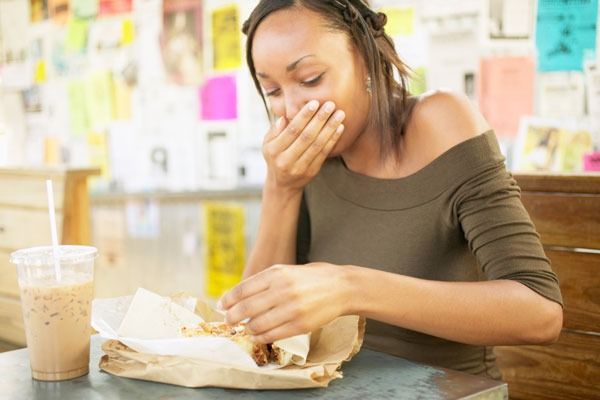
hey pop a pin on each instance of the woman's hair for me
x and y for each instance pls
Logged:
(365, 28)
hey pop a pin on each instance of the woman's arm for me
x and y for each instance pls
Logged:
(284, 301)
(294, 153)
(499, 312)
(276, 238)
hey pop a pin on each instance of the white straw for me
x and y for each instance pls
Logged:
(52, 213)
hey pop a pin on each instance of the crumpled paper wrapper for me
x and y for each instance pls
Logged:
(333, 344)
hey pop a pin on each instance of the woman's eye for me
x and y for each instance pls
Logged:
(311, 82)
(272, 93)
(314, 81)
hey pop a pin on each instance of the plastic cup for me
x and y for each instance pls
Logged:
(57, 314)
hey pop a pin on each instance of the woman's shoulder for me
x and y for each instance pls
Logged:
(442, 119)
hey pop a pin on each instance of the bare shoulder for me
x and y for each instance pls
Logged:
(442, 119)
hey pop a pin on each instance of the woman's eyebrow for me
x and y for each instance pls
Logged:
(289, 68)
(293, 65)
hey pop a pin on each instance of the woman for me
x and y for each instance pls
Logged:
(380, 204)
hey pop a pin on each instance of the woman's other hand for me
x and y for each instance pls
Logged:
(296, 150)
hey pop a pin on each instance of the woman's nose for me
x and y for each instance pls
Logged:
(293, 105)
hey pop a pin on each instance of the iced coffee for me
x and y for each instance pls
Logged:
(56, 312)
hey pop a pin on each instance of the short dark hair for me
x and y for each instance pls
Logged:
(389, 109)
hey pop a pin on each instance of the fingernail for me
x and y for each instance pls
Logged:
(220, 304)
(339, 116)
(340, 129)
(313, 105)
(329, 107)
(279, 123)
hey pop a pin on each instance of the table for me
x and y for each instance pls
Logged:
(370, 375)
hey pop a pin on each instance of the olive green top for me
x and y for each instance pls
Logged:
(460, 218)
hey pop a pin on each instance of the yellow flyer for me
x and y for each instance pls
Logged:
(227, 48)
(98, 147)
(400, 21)
(127, 32)
(224, 246)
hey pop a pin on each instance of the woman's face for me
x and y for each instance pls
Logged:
(297, 60)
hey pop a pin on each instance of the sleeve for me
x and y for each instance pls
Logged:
(500, 232)
(303, 233)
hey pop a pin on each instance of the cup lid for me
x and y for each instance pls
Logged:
(44, 255)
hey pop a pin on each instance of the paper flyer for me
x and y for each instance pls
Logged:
(99, 154)
(84, 8)
(401, 20)
(143, 218)
(77, 35)
(39, 10)
(15, 68)
(122, 102)
(561, 95)
(111, 7)
(56, 101)
(51, 150)
(39, 74)
(510, 19)
(506, 90)
(552, 145)
(564, 32)
(99, 98)
(227, 47)
(126, 161)
(592, 81)
(224, 246)
(78, 111)
(218, 99)
(128, 32)
(181, 41)
(148, 19)
(219, 163)
(59, 11)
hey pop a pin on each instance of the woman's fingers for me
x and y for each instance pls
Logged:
(296, 299)
(320, 157)
(290, 133)
(251, 286)
(323, 144)
(275, 129)
(252, 306)
(270, 319)
(294, 151)
(296, 159)
(310, 134)
(284, 331)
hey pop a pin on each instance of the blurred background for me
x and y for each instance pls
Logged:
(157, 96)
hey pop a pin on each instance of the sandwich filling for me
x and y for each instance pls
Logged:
(261, 353)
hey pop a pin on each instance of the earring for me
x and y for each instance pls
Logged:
(368, 85)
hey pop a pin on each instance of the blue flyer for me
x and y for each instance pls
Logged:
(565, 33)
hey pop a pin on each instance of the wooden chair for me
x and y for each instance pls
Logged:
(24, 223)
(566, 212)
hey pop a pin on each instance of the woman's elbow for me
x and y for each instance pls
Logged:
(549, 327)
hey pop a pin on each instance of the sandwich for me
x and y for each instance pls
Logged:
(261, 353)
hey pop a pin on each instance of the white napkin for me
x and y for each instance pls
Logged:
(150, 323)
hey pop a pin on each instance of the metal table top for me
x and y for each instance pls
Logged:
(369, 375)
